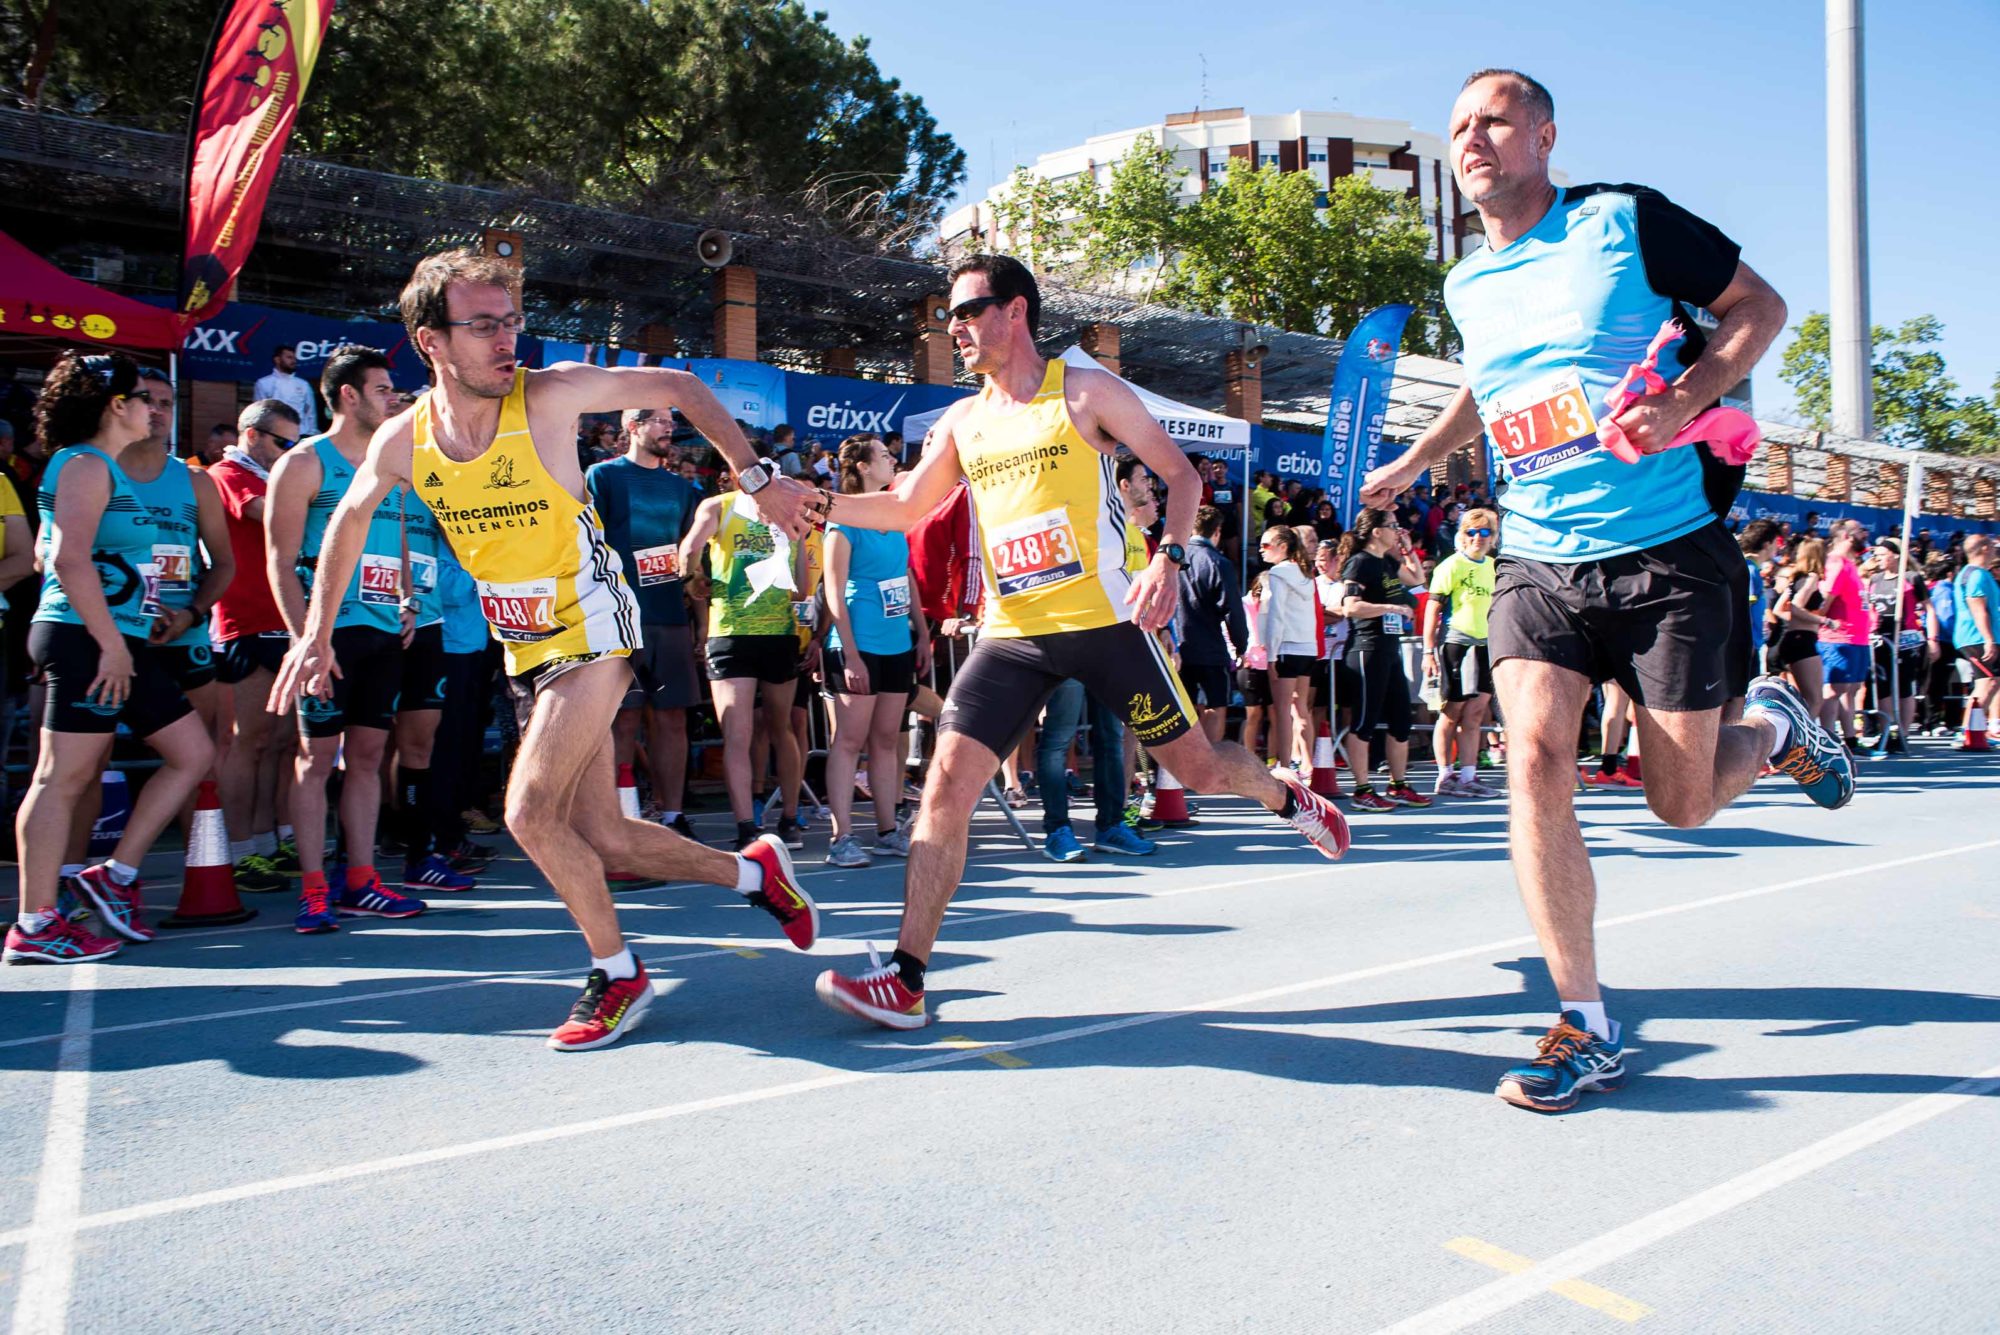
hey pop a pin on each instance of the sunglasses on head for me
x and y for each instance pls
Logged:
(973, 307)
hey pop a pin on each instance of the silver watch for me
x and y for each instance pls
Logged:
(754, 479)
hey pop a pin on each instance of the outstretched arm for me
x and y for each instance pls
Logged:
(917, 492)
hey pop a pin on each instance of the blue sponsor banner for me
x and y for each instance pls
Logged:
(1878, 520)
(1359, 403)
(237, 343)
(827, 409)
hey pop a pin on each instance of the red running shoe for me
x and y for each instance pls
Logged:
(1404, 795)
(1317, 819)
(1616, 778)
(605, 1012)
(1367, 799)
(781, 896)
(877, 995)
(117, 904)
(56, 941)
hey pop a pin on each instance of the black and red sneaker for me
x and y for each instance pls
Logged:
(1317, 819)
(781, 896)
(1404, 795)
(605, 1012)
(878, 994)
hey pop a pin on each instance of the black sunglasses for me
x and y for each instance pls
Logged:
(973, 307)
(284, 442)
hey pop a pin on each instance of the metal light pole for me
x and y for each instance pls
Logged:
(1847, 223)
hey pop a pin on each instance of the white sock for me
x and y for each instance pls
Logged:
(1781, 730)
(29, 920)
(121, 873)
(240, 849)
(70, 869)
(618, 966)
(284, 832)
(669, 817)
(749, 876)
(1594, 1018)
(265, 843)
(1468, 772)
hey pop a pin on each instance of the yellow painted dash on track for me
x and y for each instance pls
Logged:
(1005, 1060)
(1579, 1291)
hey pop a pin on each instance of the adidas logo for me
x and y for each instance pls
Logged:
(433, 481)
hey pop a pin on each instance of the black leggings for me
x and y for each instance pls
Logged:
(1384, 703)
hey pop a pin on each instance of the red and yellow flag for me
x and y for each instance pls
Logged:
(258, 63)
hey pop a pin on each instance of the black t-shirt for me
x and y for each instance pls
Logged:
(1375, 579)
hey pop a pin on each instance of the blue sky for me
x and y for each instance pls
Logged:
(1723, 108)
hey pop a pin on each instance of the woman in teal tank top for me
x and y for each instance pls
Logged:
(878, 647)
(88, 640)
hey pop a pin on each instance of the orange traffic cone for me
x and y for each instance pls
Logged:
(208, 885)
(1169, 799)
(1975, 730)
(1325, 781)
(628, 807)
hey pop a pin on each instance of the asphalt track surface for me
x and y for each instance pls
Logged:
(1232, 1087)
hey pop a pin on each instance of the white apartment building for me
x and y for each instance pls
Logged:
(1207, 144)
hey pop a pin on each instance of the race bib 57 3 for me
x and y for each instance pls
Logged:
(1543, 424)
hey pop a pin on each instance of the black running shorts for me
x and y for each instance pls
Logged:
(664, 670)
(1207, 686)
(771, 659)
(367, 689)
(424, 669)
(1002, 687)
(1656, 621)
(888, 674)
(1464, 670)
(192, 666)
(65, 657)
(236, 659)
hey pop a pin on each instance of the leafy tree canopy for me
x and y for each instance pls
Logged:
(1916, 401)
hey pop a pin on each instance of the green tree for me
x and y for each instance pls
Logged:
(745, 108)
(1916, 400)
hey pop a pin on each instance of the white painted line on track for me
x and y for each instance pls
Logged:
(1501, 1295)
(835, 1080)
(654, 962)
(48, 1269)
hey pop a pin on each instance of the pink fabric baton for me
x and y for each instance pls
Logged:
(1731, 433)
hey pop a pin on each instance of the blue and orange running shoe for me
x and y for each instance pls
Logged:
(433, 872)
(605, 1012)
(1812, 755)
(375, 900)
(315, 911)
(1570, 1062)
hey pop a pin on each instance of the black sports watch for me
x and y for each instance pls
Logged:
(1175, 553)
(754, 479)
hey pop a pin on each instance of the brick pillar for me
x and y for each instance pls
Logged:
(1777, 468)
(735, 293)
(210, 402)
(1890, 479)
(656, 340)
(1937, 492)
(837, 361)
(1101, 341)
(1839, 484)
(1242, 388)
(931, 349)
(1984, 499)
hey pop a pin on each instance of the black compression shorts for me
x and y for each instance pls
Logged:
(1001, 688)
(66, 658)
(367, 689)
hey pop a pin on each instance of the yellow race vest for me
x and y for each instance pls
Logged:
(1051, 522)
(550, 586)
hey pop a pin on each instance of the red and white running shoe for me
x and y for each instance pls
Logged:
(782, 896)
(878, 995)
(1317, 819)
(605, 1012)
(56, 941)
(117, 904)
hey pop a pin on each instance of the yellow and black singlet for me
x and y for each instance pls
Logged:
(550, 585)
(1051, 523)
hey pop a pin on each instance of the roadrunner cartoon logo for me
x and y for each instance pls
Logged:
(1148, 722)
(503, 473)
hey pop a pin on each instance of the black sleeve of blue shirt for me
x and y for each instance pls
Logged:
(1687, 258)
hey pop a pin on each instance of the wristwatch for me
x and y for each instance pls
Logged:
(1175, 553)
(754, 479)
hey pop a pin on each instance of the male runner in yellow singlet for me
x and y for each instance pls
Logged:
(489, 449)
(1036, 445)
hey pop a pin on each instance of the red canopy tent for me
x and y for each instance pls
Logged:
(41, 301)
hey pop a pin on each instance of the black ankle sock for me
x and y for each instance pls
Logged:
(746, 830)
(1609, 762)
(1291, 807)
(910, 969)
(419, 820)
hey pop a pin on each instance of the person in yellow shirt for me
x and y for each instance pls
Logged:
(1455, 653)
(1037, 445)
(490, 449)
